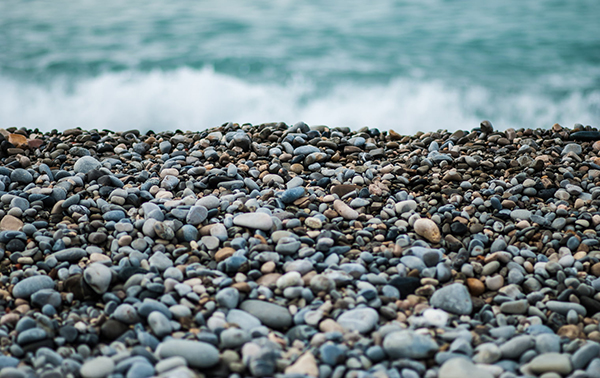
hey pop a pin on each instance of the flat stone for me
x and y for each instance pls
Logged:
(551, 362)
(461, 368)
(362, 320)
(29, 285)
(409, 344)
(86, 164)
(259, 221)
(515, 347)
(196, 215)
(305, 365)
(197, 353)
(11, 223)
(98, 367)
(98, 276)
(454, 298)
(428, 229)
(269, 314)
(344, 210)
(71, 255)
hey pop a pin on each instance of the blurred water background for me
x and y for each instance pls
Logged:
(403, 65)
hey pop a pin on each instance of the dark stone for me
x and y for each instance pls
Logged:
(458, 228)
(591, 305)
(586, 136)
(112, 329)
(406, 285)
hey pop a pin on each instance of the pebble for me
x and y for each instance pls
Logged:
(362, 320)
(428, 229)
(551, 363)
(98, 367)
(196, 353)
(28, 286)
(453, 298)
(260, 221)
(269, 314)
(409, 344)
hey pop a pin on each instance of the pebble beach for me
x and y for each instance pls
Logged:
(279, 250)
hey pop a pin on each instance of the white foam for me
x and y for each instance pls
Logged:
(189, 99)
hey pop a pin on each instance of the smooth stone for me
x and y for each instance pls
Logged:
(290, 195)
(515, 307)
(454, 298)
(196, 215)
(126, 313)
(564, 307)
(462, 368)
(98, 367)
(43, 297)
(228, 297)
(261, 221)
(243, 319)
(269, 314)
(362, 320)
(551, 362)
(428, 229)
(98, 276)
(159, 324)
(409, 344)
(209, 202)
(71, 255)
(197, 353)
(405, 206)
(28, 286)
(344, 210)
(515, 347)
(86, 164)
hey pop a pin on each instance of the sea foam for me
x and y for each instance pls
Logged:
(189, 99)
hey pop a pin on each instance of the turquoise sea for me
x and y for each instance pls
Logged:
(405, 65)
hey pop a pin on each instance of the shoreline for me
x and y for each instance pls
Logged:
(274, 250)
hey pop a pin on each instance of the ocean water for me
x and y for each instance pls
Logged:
(404, 65)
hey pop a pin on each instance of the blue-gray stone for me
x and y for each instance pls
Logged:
(306, 150)
(197, 353)
(28, 286)
(46, 297)
(31, 335)
(22, 176)
(196, 215)
(453, 298)
(292, 194)
(269, 314)
(409, 344)
(113, 215)
(70, 254)
(85, 164)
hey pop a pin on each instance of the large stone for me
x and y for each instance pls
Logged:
(86, 164)
(28, 286)
(453, 298)
(269, 314)
(11, 223)
(261, 221)
(305, 365)
(551, 362)
(98, 367)
(98, 276)
(462, 368)
(362, 320)
(71, 255)
(428, 229)
(409, 344)
(198, 354)
(344, 210)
